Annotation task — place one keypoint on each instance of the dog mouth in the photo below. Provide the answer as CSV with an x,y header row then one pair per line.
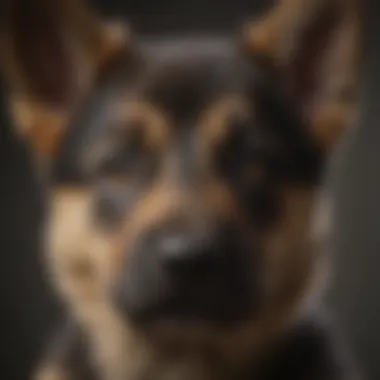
x,y
221,310
224,312
228,296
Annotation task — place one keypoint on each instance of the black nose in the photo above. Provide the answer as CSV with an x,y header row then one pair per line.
x,y
181,271
182,250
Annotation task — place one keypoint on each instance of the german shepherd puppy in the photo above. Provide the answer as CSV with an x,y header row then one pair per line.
x,y
183,177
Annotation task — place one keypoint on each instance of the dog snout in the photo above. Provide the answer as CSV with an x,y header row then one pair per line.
x,y
182,247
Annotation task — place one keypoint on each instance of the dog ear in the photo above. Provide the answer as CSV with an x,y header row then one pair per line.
x,y
314,46
51,52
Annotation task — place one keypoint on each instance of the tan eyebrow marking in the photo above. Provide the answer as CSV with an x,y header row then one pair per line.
x,y
130,117
150,118
214,121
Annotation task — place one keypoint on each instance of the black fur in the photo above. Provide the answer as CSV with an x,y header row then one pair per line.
x,y
306,352
69,351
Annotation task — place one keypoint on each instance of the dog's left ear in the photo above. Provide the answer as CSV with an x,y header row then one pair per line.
x,y
51,52
315,48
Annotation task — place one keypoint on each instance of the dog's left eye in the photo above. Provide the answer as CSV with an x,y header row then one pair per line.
x,y
129,157
122,161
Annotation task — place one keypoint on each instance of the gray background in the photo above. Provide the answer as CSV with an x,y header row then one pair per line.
x,y
28,310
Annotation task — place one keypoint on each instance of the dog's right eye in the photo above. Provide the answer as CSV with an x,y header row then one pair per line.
x,y
245,146
113,197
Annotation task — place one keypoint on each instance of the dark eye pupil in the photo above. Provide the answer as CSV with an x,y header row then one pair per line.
x,y
113,197
126,157
244,147
108,210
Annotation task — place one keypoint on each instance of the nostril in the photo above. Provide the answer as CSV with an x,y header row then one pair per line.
x,y
173,247
182,253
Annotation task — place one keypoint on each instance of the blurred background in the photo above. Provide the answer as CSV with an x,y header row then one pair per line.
x,y
28,311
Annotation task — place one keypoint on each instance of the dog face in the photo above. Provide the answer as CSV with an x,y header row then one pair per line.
x,y
189,172
182,177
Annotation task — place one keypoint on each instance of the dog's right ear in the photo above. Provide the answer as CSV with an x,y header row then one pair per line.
x,y
51,52
315,50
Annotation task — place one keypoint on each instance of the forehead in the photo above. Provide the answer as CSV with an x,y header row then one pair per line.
x,y
179,79
183,77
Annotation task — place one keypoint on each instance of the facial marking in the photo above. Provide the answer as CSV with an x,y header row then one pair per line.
x,y
218,121
207,182
154,123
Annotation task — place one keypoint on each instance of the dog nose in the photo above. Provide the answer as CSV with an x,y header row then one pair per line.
x,y
185,250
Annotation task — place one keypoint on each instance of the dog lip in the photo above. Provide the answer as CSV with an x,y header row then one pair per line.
x,y
171,313
223,308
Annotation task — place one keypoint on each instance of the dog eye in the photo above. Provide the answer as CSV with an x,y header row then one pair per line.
x,y
129,157
113,198
119,162
109,206
242,148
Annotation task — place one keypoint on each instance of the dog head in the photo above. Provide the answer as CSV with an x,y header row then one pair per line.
x,y
182,175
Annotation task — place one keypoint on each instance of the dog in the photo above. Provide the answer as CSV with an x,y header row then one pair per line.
x,y
184,231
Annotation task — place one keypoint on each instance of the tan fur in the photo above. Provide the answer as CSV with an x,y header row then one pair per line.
x,y
286,244
213,124
51,372
337,105
275,35
130,118
330,121
42,127
155,123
